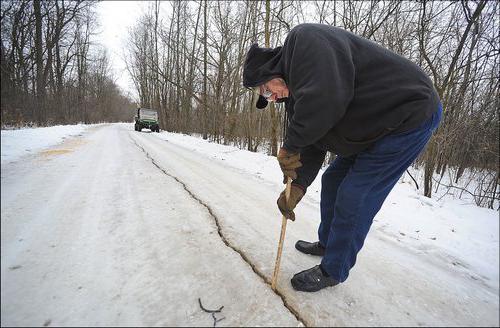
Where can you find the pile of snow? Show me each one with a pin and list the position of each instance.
(16, 143)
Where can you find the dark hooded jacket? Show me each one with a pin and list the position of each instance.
(345, 92)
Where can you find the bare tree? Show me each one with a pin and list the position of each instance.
(198, 71)
(46, 54)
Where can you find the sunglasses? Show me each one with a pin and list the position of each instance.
(267, 94)
(262, 90)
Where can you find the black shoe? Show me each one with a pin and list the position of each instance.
(310, 248)
(312, 280)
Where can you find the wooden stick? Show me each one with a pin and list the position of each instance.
(282, 239)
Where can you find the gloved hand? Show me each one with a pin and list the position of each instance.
(288, 163)
(287, 207)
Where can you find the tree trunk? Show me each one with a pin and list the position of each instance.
(272, 110)
(40, 85)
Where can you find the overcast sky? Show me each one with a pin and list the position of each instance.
(115, 19)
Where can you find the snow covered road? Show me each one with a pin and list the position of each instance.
(117, 227)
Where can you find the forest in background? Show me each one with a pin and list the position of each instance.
(188, 64)
(186, 57)
(52, 70)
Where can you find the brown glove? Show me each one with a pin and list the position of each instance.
(288, 163)
(287, 207)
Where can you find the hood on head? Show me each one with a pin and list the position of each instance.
(261, 65)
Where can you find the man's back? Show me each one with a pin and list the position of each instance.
(382, 92)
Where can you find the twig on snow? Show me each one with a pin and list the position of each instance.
(411, 176)
(217, 320)
(213, 312)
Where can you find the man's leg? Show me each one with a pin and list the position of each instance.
(330, 182)
(363, 191)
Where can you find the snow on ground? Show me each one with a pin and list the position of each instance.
(16, 143)
(461, 229)
(118, 227)
(98, 236)
(396, 263)
(467, 191)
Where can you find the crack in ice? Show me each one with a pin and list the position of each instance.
(225, 240)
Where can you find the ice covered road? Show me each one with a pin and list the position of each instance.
(117, 227)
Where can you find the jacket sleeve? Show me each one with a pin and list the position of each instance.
(312, 159)
(320, 77)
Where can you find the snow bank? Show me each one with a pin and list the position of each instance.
(16, 143)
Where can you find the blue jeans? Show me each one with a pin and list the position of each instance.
(354, 188)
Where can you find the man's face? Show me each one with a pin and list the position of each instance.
(274, 89)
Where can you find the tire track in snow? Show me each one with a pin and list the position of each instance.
(226, 242)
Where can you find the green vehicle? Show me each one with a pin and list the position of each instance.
(147, 119)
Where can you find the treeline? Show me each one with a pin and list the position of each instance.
(186, 60)
(52, 70)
